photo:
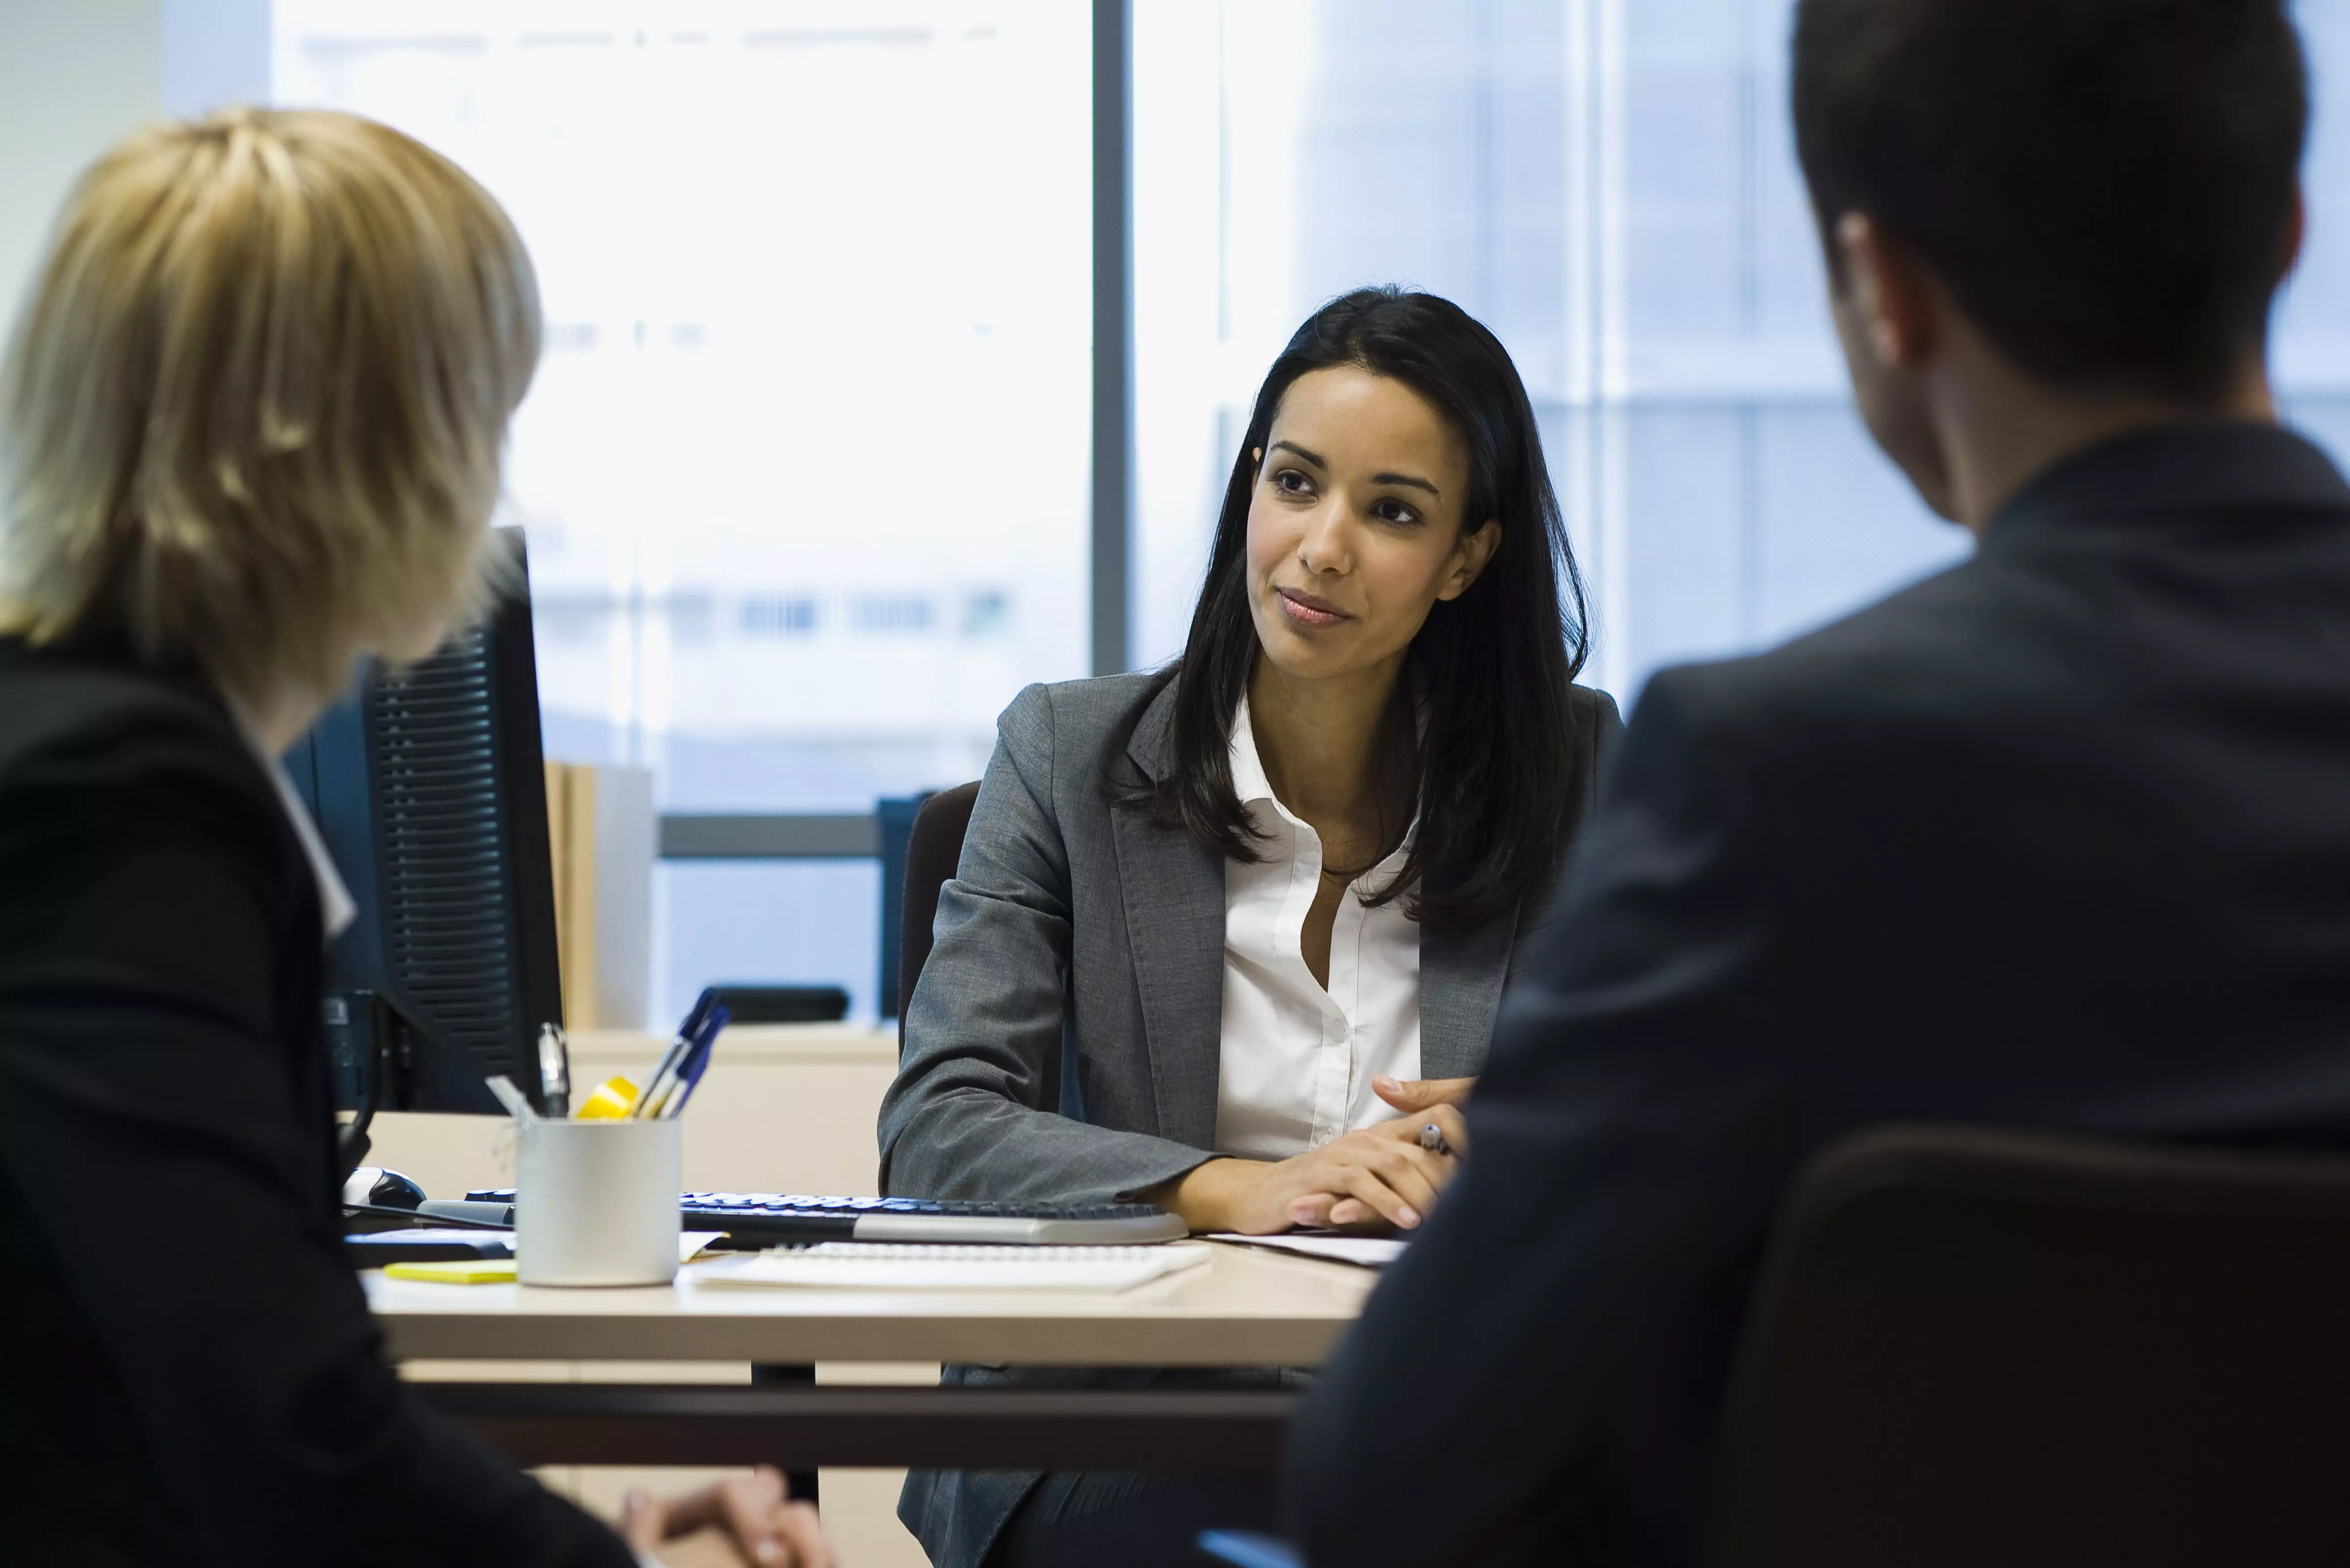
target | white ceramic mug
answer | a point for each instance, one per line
(596, 1203)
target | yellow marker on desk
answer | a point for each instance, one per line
(612, 1101)
(456, 1272)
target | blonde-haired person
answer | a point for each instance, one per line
(252, 418)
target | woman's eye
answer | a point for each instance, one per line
(1394, 512)
(1289, 481)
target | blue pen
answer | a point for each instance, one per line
(663, 1095)
(664, 1074)
(696, 1063)
(703, 1005)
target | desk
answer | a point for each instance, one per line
(1246, 1308)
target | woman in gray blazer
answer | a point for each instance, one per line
(1216, 926)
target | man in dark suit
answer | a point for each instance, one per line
(2059, 839)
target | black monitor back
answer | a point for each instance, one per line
(430, 789)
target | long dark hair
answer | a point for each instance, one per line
(1496, 751)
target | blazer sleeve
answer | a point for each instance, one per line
(1551, 1342)
(142, 1074)
(965, 1116)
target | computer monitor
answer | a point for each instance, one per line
(429, 790)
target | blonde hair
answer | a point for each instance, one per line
(254, 408)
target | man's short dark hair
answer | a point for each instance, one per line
(2104, 186)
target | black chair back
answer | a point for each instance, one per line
(2002, 1349)
(932, 851)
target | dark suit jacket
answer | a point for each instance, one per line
(1077, 922)
(2057, 839)
(189, 1373)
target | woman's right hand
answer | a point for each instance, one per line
(1383, 1168)
(1411, 1097)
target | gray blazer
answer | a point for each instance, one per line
(1078, 929)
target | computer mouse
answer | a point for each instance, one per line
(374, 1186)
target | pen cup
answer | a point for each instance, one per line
(596, 1203)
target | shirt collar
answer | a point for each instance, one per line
(1249, 782)
(2179, 468)
(337, 909)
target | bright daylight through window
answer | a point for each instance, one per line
(805, 470)
(804, 467)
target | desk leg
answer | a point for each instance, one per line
(800, 1483)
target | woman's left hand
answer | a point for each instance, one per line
(1408, 1096)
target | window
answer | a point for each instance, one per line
(805, 468)
(1611, 188)
(812, 271)
(2311, 341)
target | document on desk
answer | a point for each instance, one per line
(908, 1266)
(1366, 1251)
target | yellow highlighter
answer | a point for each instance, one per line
(611, 1101)
(456, 1272)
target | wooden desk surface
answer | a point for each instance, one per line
(1246, 1308)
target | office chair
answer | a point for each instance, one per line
(932, 851)
(1985, 1347)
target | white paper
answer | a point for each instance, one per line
(1368, 1251)
(436, 1235)
(692, 1244)
(894, 1266)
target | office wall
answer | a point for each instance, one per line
(74, 78)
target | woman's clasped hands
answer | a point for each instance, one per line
(1378, 1174)
(759, 1522)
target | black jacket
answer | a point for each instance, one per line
(188, 1370)
(2057, 839)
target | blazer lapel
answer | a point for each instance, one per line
(1461, 979)
(1172, 887)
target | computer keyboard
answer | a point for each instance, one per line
(769, 1217)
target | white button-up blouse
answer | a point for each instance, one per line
(1296, 1061)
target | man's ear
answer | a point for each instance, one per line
(1470, 558)
(2296, 230)
(1890, 292)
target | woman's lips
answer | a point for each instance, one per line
(1305, 609)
